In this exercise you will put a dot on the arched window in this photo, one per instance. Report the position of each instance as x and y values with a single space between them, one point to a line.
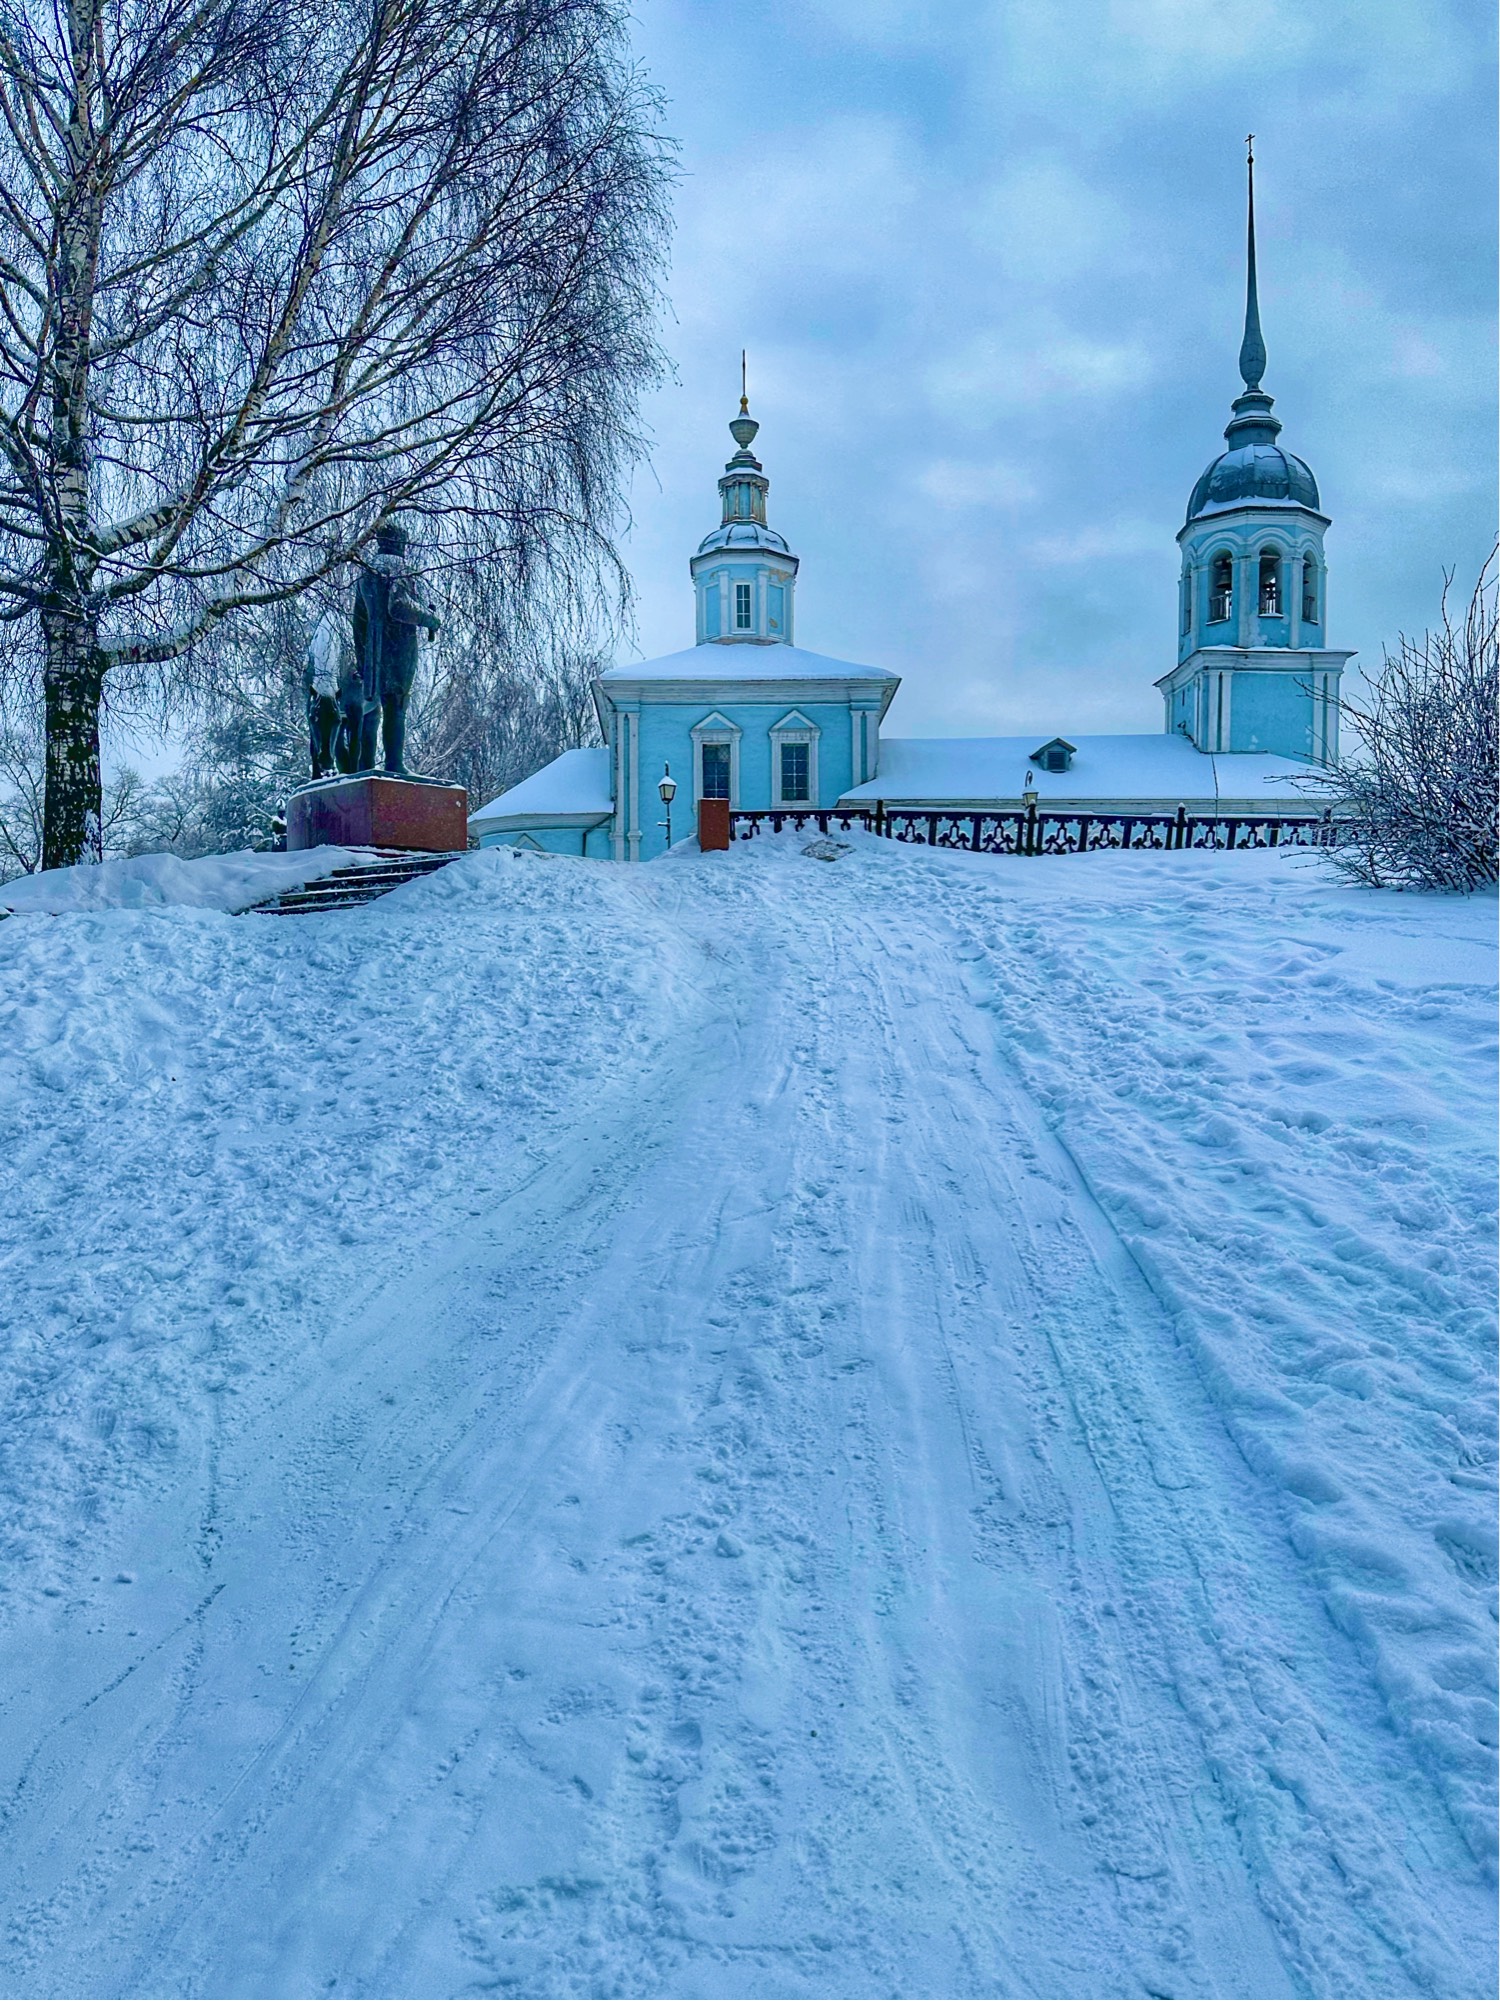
1270 584
1221 591
1310 591
1187 601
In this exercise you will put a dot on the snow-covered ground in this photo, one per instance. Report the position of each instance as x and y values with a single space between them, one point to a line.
921 1424
151 882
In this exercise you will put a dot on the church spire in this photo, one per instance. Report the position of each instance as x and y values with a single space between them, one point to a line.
1252 347
1252 422
744 572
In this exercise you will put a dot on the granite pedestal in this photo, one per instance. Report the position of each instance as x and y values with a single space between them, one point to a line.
374 810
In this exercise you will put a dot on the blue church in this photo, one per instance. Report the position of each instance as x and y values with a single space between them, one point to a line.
746 715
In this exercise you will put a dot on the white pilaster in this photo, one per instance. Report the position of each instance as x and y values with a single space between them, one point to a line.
1246 584
617 824
633 824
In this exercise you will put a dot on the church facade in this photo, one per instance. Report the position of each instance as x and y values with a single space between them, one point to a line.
748 716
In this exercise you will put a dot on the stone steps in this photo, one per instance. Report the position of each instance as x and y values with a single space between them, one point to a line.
348 887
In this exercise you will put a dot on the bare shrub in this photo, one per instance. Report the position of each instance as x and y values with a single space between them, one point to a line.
1418 798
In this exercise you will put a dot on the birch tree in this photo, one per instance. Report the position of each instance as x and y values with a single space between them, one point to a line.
271 274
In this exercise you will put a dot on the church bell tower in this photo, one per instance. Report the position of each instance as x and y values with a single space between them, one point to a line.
744 574
1254 671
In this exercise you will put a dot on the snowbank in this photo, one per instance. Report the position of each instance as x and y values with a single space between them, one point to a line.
212 882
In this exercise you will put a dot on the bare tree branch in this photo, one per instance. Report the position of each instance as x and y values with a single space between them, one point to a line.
269 275
1418 798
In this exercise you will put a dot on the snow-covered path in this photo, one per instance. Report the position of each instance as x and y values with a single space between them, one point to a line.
768 1532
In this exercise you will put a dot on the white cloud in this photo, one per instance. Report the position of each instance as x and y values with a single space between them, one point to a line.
956 483
986 255
996 371
1043 222
1097 542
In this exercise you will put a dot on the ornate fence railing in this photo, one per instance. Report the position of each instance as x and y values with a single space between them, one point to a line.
1034 832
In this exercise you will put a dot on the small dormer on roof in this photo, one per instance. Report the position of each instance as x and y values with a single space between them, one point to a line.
1055 755
744 572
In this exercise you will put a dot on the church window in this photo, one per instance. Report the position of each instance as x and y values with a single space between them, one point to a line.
1187 602
1310 590
1221 591
742 613
1270 585
795 772
716 771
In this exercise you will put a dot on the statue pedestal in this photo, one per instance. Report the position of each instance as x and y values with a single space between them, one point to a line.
374 810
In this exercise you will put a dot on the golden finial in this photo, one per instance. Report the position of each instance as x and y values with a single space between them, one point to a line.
744 386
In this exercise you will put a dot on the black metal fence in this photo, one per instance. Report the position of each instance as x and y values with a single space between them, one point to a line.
1030 831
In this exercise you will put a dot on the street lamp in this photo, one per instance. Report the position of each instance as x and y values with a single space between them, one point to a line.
1029 792
667 787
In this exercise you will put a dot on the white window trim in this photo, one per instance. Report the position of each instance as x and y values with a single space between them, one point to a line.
710 584
795 728
740 584
717 729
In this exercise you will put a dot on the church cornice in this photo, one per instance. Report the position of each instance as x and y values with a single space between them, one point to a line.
1256 660
1242 513
739 689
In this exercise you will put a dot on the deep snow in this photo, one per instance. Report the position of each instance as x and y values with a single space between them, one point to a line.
751 1426
147 882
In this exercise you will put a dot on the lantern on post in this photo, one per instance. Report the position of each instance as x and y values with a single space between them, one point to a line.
667 787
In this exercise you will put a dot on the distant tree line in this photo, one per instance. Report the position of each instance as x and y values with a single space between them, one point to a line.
269 276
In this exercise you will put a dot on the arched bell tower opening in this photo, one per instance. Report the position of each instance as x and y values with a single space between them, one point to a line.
1253 672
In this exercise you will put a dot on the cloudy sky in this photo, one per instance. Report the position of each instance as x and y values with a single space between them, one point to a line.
987 258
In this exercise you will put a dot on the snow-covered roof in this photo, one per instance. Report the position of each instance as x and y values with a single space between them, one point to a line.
742 661
573 788
1162 768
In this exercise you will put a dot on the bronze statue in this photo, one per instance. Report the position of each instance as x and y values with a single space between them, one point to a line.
330 681
389 617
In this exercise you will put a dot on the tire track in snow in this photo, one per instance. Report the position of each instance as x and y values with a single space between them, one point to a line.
1325 1824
